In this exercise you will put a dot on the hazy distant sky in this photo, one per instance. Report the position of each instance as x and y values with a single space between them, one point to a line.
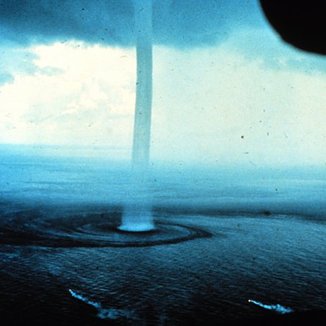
226 90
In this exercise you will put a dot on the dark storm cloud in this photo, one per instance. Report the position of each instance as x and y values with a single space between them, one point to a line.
180 23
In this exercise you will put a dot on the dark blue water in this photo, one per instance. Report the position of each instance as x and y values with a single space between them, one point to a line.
267 242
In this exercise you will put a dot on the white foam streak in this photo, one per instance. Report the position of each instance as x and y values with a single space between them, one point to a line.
102 313
275 307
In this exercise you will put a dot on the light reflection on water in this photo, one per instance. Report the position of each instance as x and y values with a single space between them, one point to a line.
44 179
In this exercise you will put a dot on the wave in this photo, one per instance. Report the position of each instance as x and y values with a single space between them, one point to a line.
102 313
274 307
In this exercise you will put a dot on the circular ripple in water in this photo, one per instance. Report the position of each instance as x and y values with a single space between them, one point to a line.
93 230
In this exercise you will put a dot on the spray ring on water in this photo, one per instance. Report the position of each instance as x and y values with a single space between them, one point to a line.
92 230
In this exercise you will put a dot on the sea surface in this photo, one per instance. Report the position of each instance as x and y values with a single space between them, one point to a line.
267 243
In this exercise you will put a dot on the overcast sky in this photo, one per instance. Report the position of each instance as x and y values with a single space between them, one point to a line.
226 89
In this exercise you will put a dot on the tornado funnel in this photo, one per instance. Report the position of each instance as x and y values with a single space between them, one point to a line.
137 217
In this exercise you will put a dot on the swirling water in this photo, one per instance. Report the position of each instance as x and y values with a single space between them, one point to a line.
268 243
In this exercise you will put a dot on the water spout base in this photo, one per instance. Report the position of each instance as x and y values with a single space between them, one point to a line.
137 227
137 219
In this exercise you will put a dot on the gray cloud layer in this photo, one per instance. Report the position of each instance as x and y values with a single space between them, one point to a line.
180 23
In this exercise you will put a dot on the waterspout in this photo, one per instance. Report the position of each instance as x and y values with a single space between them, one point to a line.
138 215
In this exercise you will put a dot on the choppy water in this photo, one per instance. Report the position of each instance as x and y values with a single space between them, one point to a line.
267 244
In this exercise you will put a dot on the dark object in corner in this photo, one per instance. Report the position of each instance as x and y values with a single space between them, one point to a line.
300 23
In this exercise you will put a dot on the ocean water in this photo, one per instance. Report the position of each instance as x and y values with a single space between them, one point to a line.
266 243
35 175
